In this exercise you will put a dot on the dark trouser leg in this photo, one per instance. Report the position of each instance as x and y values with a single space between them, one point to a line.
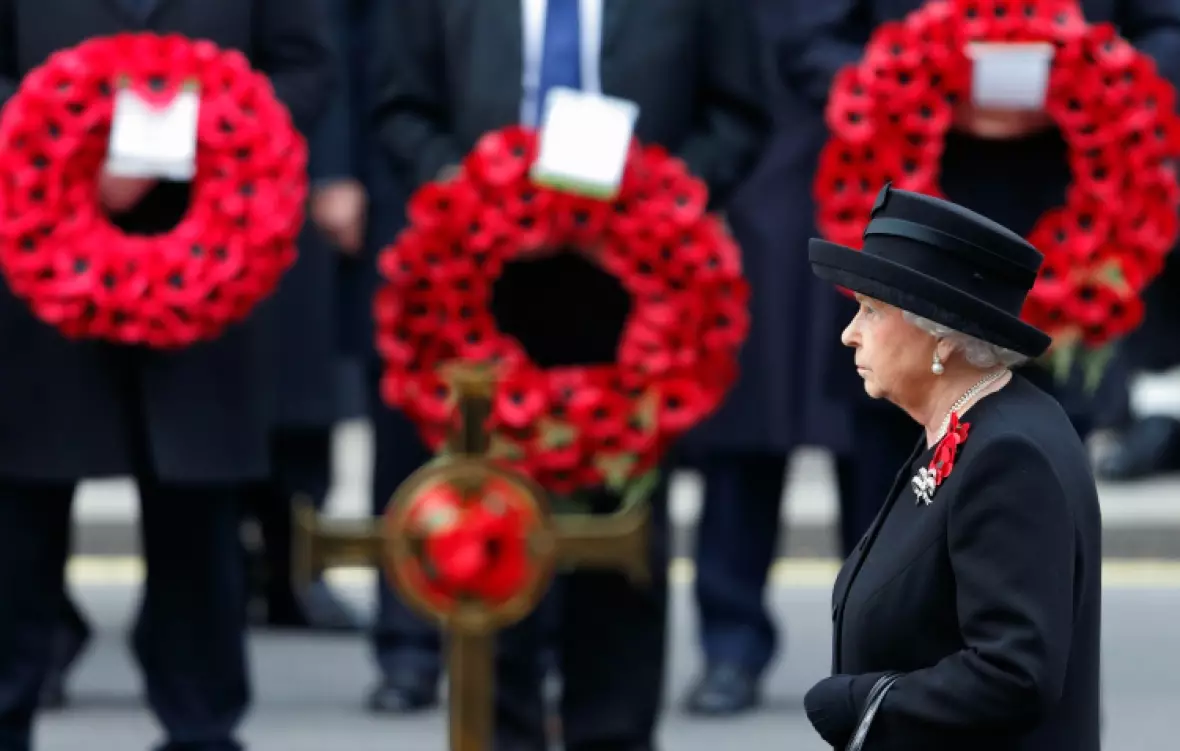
611 654
301 469
737 539
885 437
406 646
69 641
520 676
190 637
34 534
613 638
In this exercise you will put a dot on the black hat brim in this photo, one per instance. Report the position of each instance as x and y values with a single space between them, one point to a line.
925 296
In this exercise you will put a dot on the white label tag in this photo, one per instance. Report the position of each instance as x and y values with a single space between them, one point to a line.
154 141
1010 76
584 142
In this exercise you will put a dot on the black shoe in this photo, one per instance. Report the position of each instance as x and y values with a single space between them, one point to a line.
317 609
724 690
1149 447
69 643
404 693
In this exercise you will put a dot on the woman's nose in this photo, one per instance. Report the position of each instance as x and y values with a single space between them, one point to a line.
847 336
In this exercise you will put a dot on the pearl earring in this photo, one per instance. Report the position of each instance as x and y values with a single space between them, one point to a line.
936 366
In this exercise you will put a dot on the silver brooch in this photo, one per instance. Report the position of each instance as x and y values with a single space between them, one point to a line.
924 484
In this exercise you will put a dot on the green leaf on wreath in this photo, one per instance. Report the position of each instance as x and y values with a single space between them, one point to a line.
640 489
647 412
570 504
616 470
505 448
1112 275
1062 358
556 434
1094 364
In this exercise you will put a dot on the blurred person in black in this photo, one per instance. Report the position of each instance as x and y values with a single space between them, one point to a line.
362 214
781 402
191 426
456 70
307 397
1150 443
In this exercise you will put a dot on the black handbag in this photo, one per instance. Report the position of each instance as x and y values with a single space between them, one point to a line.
872 704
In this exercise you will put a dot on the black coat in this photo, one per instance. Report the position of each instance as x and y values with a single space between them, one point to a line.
1012 182
72 409
345 146
777 402
453 72
987 600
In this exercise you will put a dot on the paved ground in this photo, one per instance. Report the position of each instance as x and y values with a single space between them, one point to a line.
1142 520
309 689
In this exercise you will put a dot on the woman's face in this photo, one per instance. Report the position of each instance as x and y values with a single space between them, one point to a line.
892 355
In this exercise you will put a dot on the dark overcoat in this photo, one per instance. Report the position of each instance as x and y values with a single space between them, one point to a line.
346 147
778 401
987 600
1012 182
69 409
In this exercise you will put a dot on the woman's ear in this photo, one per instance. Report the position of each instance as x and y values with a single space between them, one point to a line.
944 348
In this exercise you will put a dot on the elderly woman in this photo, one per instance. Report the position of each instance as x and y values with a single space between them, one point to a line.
968 617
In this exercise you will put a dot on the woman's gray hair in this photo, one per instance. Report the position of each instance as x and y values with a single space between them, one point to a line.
979 353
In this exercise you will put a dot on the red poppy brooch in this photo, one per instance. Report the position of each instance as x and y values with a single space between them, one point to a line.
926 482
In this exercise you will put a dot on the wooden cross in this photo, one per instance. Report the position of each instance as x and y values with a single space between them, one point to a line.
617 541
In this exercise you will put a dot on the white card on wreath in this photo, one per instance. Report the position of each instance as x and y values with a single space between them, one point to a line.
151 140
1010 76
584 141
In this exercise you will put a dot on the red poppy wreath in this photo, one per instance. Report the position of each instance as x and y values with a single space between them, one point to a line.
567 427
889 115
62 255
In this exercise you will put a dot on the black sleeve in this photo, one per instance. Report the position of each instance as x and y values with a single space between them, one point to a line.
827 35
733 123
330 146
412 113
1153 26
1011 543
293 47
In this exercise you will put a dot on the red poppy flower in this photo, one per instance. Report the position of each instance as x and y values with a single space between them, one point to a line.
521 398
850 107
580 221
502 159
529 211
1100 173
599 413
943 461
436 204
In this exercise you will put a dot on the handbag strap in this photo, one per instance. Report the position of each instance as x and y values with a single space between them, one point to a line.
876 696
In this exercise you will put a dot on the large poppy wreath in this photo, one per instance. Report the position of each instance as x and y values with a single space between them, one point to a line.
578 426
62 255
889 115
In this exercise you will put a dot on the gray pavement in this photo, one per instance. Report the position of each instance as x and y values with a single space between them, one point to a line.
1141 520
309 689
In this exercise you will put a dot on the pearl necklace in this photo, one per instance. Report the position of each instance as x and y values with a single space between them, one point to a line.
970 394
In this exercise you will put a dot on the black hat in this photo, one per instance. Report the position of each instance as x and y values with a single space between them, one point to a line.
944 263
